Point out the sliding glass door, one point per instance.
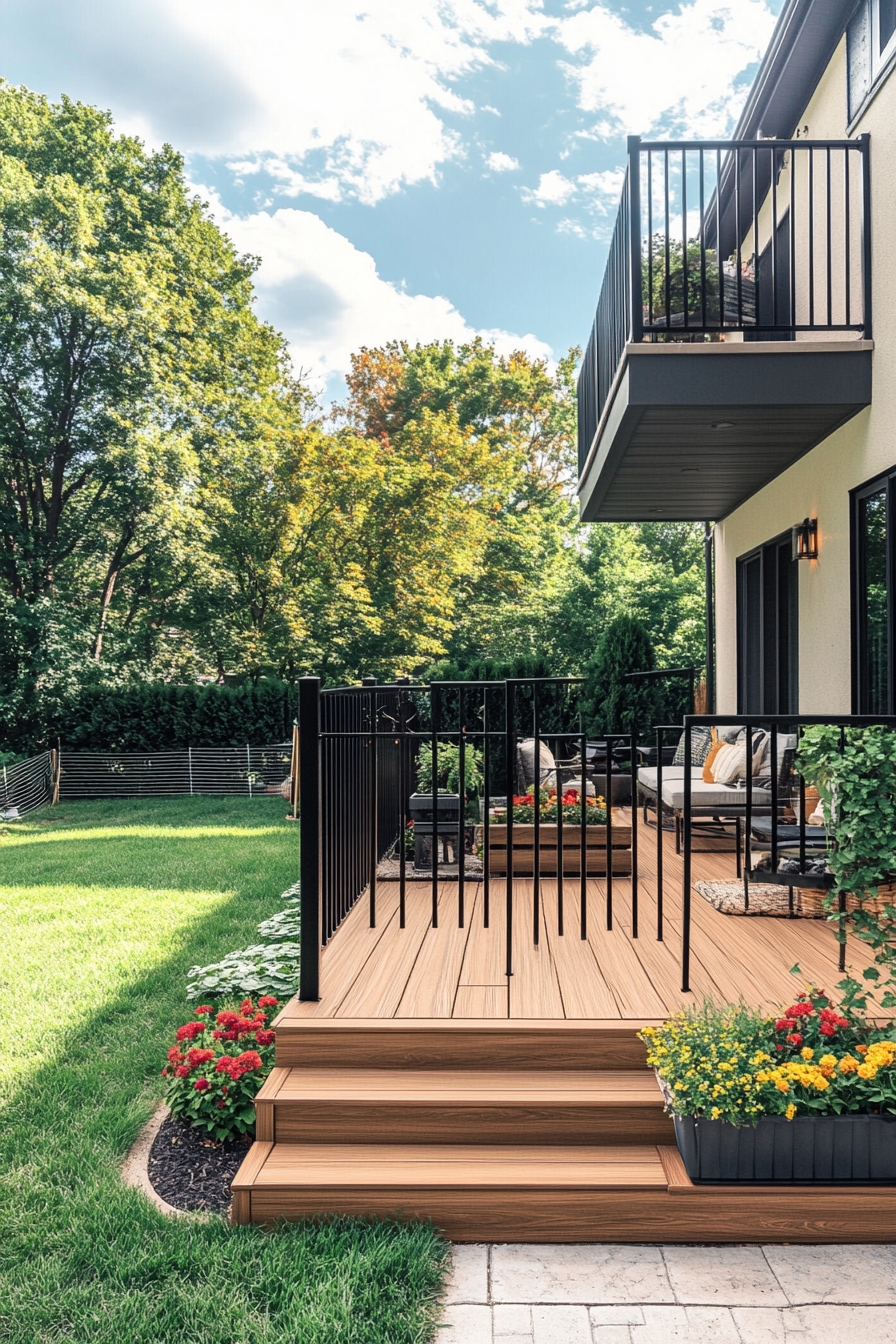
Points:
(768, 629)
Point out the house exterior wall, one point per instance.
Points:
(819, 484)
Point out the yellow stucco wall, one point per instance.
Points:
(819, 484)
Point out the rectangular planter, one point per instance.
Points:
(810, 1149)
(524, 849)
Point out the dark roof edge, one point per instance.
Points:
(804, 40)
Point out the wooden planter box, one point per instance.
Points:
(810, 1149)
(524, 849)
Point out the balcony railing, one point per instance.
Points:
(719, 240)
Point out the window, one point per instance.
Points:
(883, 28)
(872, 603)
(870, 51)
(768, 629)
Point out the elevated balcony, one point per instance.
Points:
(733, 328)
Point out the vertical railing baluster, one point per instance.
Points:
(865, 145)
(828, 243)
(403, 818)
(755, 190)
(558, 784)
(536, 884)
(633, 765)
(510, 766)
(434, 741)
(486, 768)
(684, 237)
(608, 823)
(774, 237)
(702, 239)
(668, 272)
(634, 237)
(686, 876)
(738, 239)
(720, 269)
(811, 216)
(659, 835)
(847, 243)
(309, 837)
(583, 839)
(748, 826)
(461, 800)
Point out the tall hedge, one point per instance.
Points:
(156, 716)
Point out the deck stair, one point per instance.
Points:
(503, 1130)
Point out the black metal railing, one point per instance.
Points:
(764, 238)
(359, 762)
(773, 814)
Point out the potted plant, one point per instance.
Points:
(809, 1096)
(570, 805)
(446, 803)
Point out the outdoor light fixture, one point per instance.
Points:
(805, 540)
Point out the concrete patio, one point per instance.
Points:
(606, 1294)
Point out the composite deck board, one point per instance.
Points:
(534, 987)
(478, 1001)
(485, 955)
(432, 985)
(379, 987)
(583, 990)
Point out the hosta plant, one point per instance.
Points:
(217, 1065)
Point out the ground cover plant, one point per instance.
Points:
(105, 907)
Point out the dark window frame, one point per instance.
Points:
(884, 481)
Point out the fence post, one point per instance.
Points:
(634, 235)
(190, 767)
(309, 836)
(249, 769)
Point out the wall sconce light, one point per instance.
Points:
(805, 540)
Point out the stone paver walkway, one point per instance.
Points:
(595, 1294)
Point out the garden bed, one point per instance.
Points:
(524, 849)
(191, 1171)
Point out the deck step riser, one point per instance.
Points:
(320, 1122)
(457, 1048)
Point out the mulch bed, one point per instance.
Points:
(191, 1171)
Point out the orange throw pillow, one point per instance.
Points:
(708, 776)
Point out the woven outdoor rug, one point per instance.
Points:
(728, 899)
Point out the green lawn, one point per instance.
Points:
(105, 906)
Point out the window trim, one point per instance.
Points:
(885, 480)
(879, 58)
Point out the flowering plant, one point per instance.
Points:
(571, 803)
(737, 1065)
(215, 1071)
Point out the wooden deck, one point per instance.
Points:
(428, 1084)
(450, 972)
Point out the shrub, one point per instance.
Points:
(266, 968)
(613, 705)
(214, 1074)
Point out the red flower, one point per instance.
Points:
(250, 1059)
(202, 1084)
(175, 1056)
(197, 1057)
(204, 1008)
(268, 1001)
(828, 1029)
(800, 1010)
(265, 1037)
(227, 1019)
(795, 1038)
(224, 1064)
(190, 1031)
(164, 1073)
(217, 1035)
(182, 1071)
(784, 1024)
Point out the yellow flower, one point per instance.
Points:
(848, 1064)
(782, 1085)
(791, 1111)
(807, 1052)
(866, 1071)
(828, 1062)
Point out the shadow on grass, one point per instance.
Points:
(84, 1257)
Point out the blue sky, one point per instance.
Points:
(405, 169)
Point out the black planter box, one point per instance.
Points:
(448, 804)
(809, 1149)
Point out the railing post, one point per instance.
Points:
(865, 143)
(634, 236)
(309, 835)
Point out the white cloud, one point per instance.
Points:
(501, 163)
(328, 299)
(349, 98)
(604, 188)
(680, 78)
(553, 189)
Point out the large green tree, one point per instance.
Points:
(130, 363)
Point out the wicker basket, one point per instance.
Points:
(812, 901)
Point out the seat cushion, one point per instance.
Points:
(711, 795)
(671, 773)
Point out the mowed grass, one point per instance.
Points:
(105, 906)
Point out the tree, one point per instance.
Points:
(130, 359)
(612, 704)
